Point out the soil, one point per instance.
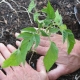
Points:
(12, 21)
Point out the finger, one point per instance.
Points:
(7, 70)
(41, 50)
(4, 51)
(2, 75)
(11, 48)
(44, 43)
(1, 59)
(56, 73)
(16, 68)
(40, 65)
(27, 66)
(47, 38)
(18, 43)
(16, 35)
(44, 38)
(41, 68)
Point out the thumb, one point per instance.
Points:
(40, 65)
(41, 69)
(56, 73)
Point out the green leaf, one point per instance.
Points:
(68, 35)
(53, 30)
(35, 16)
(49, 11)
(13, 60)
(37, 40)
(43, 33)
(27, 44)
(58, 18)
(40, 23)
(19, 55)
(63, 27)
(44, 10)
(65, 35)
(31, 6)
(70, 40)
(47, 22)
(51, 56)
(29, 29)
(25, 35)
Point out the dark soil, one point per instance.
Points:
(11, 22)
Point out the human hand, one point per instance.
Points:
(66, 63)
(22, 72)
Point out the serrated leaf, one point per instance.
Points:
(43, 33)
(13, 60)
(29, 29)
(40, 23)
(63, 27)
(70, 40)
(51, 56)
(44, 10)
(49, 11)
(58, 18)
(27, 44)
(31, 6)
(36, 40)
(35, 16)
(53, 30)
(68, 35)
(24, 35)
(47, 22)
(65, 35)
(19, 55)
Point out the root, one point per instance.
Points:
(31, 58)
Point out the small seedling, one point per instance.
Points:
(52, 23)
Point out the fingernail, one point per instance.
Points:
(1, 44)
(18, 42)
(9, 45)
(16, 34)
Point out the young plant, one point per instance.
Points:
(52, 23)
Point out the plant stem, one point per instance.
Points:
(31, 58)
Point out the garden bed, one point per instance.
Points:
(12, 21)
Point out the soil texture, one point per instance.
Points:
(13, 17)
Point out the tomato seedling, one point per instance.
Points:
(52, 23)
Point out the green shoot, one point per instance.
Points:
(52, 23)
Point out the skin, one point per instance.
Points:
(66, 63)
(20, 72)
